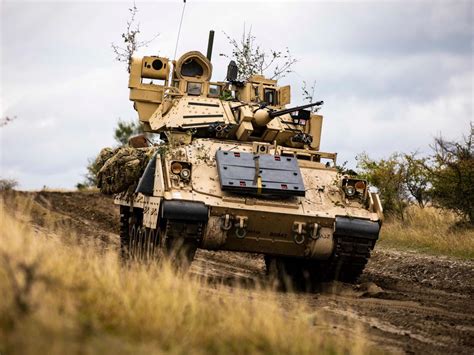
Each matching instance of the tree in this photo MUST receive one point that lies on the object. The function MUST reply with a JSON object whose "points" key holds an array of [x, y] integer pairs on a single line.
{"points": [[451, 172], [388, 175], [8, 184], [90, 178], [417, 179], [446, 177], [252, 59], [400, 179], [125, 130], [130, 40]]}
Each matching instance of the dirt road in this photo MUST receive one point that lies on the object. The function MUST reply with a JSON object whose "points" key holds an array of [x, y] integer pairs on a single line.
{"points": [[405, 302]]}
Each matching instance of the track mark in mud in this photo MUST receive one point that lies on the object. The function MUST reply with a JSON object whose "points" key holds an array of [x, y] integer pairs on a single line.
{"points": [[385, 327], [396, 311]]}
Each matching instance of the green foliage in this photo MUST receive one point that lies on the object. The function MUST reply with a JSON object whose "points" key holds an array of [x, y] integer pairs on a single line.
{"points": [[342, 169], [226, 95], [417, 181], [388, 175], [125, 130], [446, 177], [451, 173]]}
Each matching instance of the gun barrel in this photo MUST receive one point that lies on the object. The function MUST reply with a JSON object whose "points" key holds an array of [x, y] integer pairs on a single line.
{"points": [[210, 43], [274, 114]]}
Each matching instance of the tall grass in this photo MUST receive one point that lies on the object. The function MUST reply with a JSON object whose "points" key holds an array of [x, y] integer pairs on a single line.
{"points": [[430, 230], [61, 298]]}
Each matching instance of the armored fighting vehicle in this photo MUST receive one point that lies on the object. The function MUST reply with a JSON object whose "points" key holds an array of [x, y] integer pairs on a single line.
{"points": [[239, 170]]}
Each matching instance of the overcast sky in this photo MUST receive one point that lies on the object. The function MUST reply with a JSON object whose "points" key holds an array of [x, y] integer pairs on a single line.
{"points": [[393, 75]]}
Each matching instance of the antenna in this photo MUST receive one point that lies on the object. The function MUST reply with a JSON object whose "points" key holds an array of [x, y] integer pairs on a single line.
{"points": [[179, 29]]}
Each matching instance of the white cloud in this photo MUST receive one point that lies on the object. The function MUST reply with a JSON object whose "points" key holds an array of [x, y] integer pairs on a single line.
{"points": [[392, 74]]}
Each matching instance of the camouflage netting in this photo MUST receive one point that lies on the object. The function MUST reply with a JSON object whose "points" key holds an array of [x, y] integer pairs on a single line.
{"points": [[120, 169]]}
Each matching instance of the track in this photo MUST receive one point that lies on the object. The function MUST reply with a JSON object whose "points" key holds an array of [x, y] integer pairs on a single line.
{"points": [[404, 301]]}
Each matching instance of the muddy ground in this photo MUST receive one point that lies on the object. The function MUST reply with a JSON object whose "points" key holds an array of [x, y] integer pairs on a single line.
{"points": [[405, 302]]}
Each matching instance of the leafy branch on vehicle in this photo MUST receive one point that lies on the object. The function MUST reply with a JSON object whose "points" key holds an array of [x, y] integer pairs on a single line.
{"points": [[252, 59], [131, 43], [308, 95]]}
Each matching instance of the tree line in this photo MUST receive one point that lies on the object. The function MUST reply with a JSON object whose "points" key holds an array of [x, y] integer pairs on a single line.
{"points": [[444, 178]]}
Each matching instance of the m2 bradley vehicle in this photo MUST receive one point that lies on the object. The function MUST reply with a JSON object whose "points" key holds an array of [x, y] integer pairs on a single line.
{"points": [[240, 171]]}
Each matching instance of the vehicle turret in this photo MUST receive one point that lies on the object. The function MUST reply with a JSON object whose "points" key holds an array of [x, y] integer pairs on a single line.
{"points": [[179, 96]]}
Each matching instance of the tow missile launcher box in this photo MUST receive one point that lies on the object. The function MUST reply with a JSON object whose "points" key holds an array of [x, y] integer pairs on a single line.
{"points": [[239, 169]]}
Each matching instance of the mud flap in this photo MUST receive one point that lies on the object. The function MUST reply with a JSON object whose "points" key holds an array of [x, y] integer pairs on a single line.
{"points": [[357, 228], [188, 211], [355, 238]]}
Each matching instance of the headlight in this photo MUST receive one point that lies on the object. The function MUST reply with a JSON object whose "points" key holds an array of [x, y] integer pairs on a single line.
{"points": [[176, 168], [185, 174], [350, 190], [360, 186]]}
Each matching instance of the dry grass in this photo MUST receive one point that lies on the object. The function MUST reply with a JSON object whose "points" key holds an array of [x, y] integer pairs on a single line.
{"points": [[61, 298], [430, 230]]}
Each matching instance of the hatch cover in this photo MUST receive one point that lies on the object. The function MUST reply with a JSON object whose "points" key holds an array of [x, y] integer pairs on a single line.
{"points": [[264, 174]]}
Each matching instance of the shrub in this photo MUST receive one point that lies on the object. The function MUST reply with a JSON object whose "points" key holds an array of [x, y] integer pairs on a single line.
{"points": [[8, 184], [451, 172], [388, 175]]}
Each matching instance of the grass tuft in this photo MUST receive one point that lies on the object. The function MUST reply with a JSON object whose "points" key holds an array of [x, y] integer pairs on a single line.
{"points": [[430, 230], [67, 298]]}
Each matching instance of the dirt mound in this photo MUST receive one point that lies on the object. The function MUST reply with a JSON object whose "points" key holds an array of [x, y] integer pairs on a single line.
{"points": [[88, 214], [438, 272]]}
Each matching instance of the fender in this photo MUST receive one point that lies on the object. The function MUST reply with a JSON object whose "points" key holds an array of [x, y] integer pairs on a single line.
{"points": [[357, 228], [189, 211]]}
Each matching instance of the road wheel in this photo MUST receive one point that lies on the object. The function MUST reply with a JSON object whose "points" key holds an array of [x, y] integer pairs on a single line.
{"points": [[289, 274], [285, 273], [274, 271], [349, 259], [178, 249], [124, 231], [136, 241], [348, 269]]}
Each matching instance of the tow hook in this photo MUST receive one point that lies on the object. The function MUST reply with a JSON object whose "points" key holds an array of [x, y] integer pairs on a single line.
{"points": [[314, 231], [226, 223], [241, 227], [299, 232]]}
